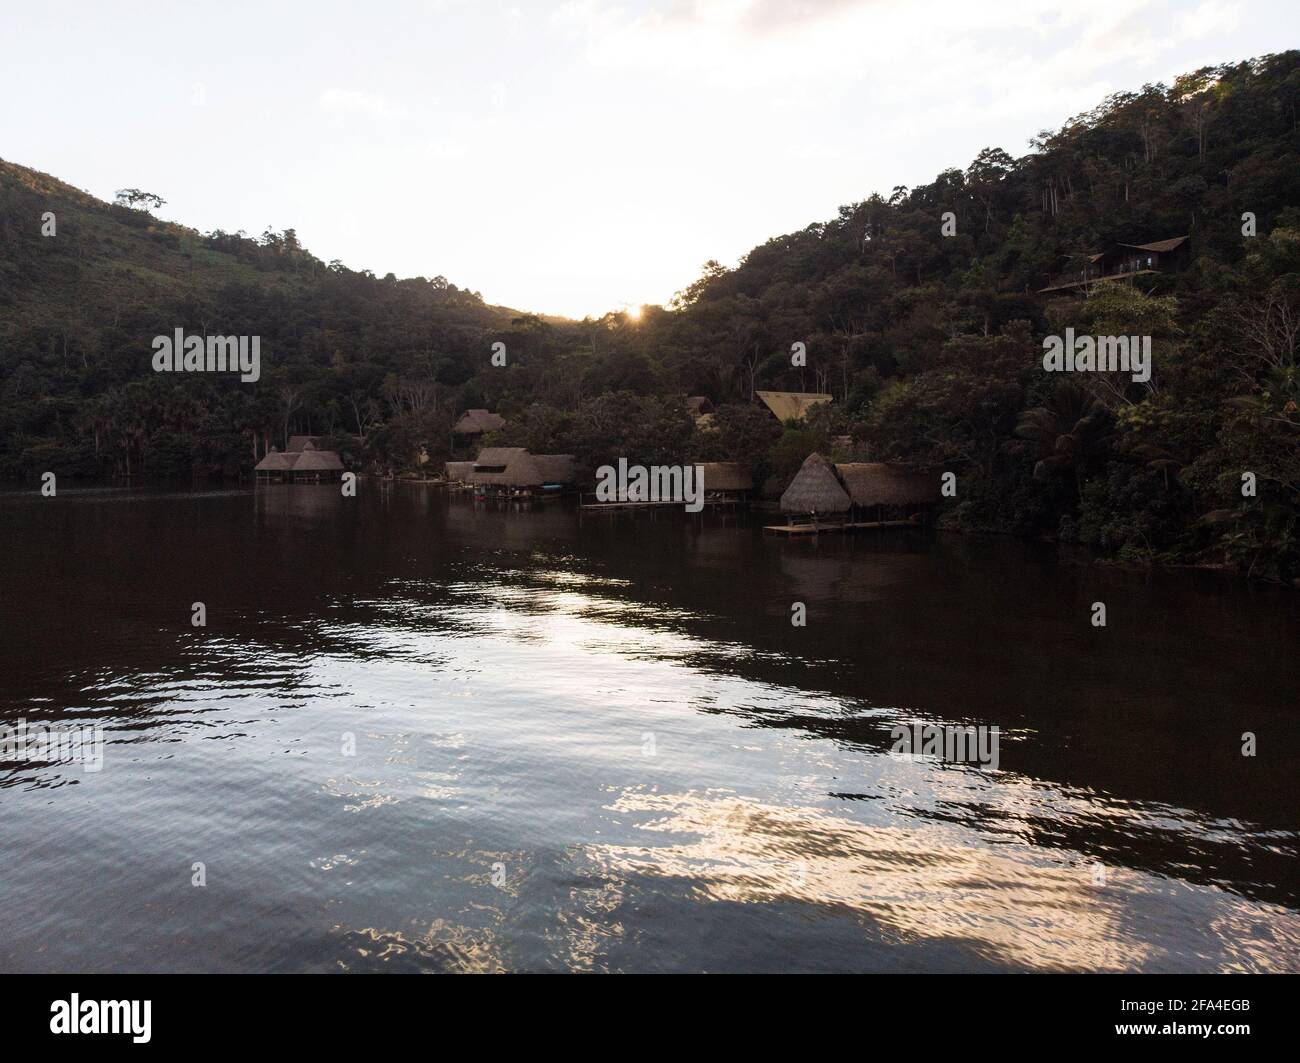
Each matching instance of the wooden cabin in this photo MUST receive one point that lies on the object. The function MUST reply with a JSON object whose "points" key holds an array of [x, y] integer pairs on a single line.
{"points": [[1124, 262]]}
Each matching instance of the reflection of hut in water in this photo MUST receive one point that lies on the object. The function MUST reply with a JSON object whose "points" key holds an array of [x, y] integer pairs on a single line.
{"points": [[877, 487], [816, 492], [726, 481], [306, 465], [512, 472]]}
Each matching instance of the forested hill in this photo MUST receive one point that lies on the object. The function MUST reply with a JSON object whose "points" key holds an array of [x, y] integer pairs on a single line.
{"points": [[79, 308], [929, 343]]}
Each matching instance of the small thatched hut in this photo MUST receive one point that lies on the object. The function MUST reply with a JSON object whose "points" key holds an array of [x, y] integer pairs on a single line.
{"points": [[877, 484], [816, 490], [477, 422], [459, 472], [726, 479]]}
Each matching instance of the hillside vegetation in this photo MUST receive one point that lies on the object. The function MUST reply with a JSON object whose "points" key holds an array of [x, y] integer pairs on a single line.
{"points": [[930, 344]]}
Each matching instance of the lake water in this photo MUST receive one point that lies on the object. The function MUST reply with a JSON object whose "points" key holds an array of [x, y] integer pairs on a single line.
{"points": [[600, 744]]}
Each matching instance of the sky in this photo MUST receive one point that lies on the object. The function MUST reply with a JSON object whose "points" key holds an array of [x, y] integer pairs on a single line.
{"points": [[569, 157]]}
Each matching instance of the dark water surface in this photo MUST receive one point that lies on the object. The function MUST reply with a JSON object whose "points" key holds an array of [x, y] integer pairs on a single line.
{"points": [[601, 744]]}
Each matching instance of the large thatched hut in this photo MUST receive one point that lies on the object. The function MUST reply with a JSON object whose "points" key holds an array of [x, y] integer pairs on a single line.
{"points": [[506, 471], [816, 491], [315, 465], [304, 465], [881, 486]]}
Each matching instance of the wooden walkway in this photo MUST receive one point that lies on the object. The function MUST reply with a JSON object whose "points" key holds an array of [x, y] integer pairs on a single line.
{"points": [[846, 526]]}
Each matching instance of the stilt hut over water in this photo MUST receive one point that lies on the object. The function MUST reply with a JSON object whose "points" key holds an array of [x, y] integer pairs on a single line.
{"points": [[816, 492], [314, 465], [274, 466], [727, 481], [878, 489], [506, 472]]}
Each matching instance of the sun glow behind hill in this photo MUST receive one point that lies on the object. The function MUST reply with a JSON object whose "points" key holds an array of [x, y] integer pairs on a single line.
{"points": [[575, 158]]}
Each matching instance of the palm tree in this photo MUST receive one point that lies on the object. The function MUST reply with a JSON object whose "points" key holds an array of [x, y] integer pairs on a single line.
{"points": [[1066, 434]]}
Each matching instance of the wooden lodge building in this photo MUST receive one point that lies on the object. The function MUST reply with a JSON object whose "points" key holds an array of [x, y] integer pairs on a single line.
{"points": [[1124, 262], [512, 472], [305, 464], [857, 491]]}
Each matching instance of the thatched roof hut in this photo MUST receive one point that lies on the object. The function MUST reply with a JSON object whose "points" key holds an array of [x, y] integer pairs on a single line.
{"points": [[297, 444], [557, 468], [459, 471], [816, 489], [313, 460], [726, 476], [876, 483], [792, 405], [507, 467], [274, 461], [478, 422]]}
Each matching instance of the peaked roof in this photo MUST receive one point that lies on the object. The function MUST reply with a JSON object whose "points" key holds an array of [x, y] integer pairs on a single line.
{"points": [[299, 443], [507, 466], [1158, 246], [792, 405], [313, 460], [274, 461], [698, 405], [476, 422], [815, 487], [876, 483]]}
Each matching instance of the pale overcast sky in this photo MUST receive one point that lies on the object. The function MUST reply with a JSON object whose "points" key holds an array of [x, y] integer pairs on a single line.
{"points": [[566, 157]]}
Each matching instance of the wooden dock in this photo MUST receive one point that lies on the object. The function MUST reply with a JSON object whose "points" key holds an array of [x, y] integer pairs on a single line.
{"points": [[845, 526]]}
